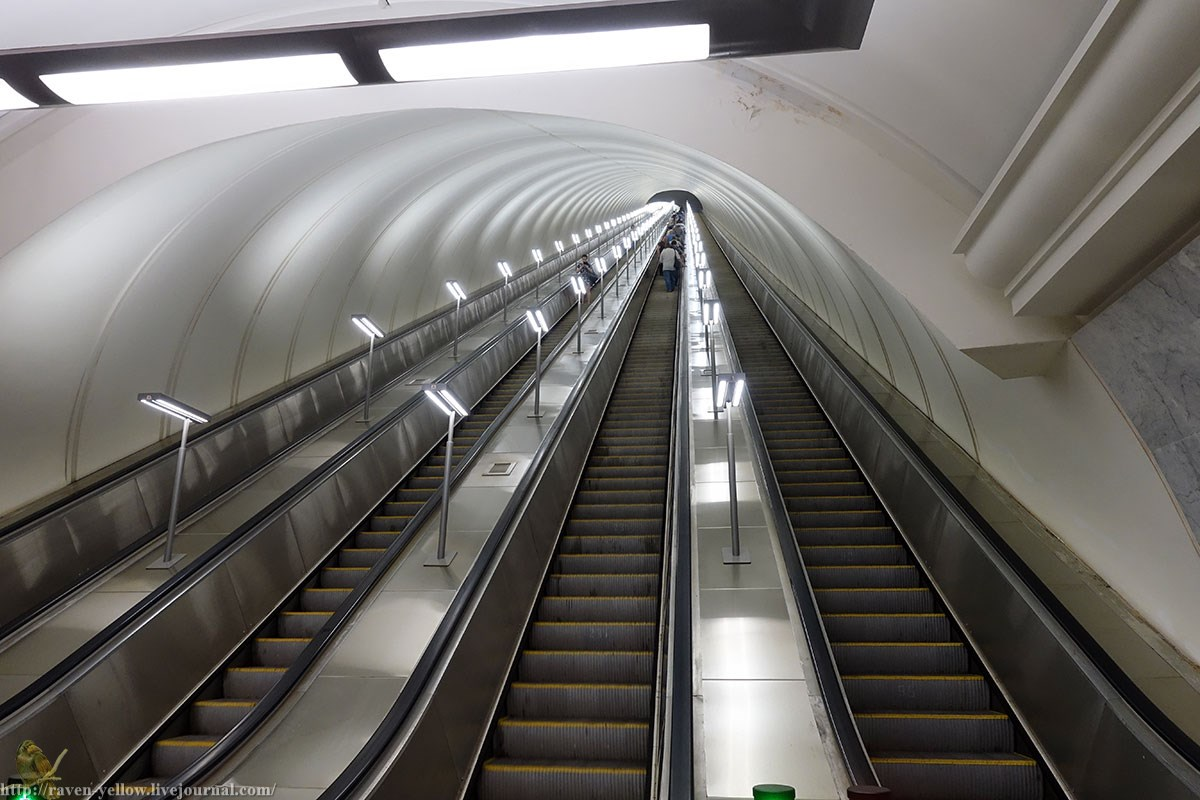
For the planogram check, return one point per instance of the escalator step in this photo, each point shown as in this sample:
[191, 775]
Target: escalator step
[302, 623]
[586, 666]
[217, 717]
[984, 731]
[874, 601]
[592, 635]
[249, 683]
[860, 535]
[606, 740]
[834, 519]
[952, 776]
[930, 627]
[511, 779]
[627, 497]
[846, 576]
[372, 539]
[837, 502]
[278, 651]
[901, 658]
[656, 483]
[172, 756]
[323, 599]
[610, 544]
[606, 563]
[614, 509]
[602, 584]
[917, 692]
[580, 700]
[342, 577]
[616, 527]
[837, 555]
[360, 556]
[598, 609]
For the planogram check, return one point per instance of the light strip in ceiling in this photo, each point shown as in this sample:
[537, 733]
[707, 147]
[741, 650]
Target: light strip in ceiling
[10, 99]
[523, 55]
[211, 79]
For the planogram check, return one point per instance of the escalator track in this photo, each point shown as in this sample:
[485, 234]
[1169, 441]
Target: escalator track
[575, 717]
[252, 673]
[933, 725]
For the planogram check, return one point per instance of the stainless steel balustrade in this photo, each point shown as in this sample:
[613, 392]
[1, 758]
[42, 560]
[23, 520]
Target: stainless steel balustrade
[436, 751]
[47, 556]
[112, 702]
[1096, 743]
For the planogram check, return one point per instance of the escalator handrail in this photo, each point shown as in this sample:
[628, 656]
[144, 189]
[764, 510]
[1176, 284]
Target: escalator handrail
[323, 638]
[211, 559]
[829, 680]
[220, 424]
[1149, 712]
[680, 756]
[347, 783]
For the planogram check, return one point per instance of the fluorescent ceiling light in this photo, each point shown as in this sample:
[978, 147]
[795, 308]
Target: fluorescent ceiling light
[439, 402]
[505, 269]
[577, 285]
[550, 53]
[368, 327]
[171, 406]
[213, 79]
[537, 320]
[456, 290]
[11, 99]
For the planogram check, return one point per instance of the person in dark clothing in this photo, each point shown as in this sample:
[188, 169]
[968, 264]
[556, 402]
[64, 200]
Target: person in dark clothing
[584, 268]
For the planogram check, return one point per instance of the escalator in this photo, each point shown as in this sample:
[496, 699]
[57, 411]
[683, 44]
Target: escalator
[934, 726]
[251, 674]
[575, 718]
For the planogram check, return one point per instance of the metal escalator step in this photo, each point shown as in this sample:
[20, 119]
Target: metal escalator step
[217, 717]
[615, 509]
[931, 627]
[592, 635]
[636, 543]
[854, 535]
[375, 538]
[917, 692]
[580, 700]
[405, 508]
[640, 497]
[250, 683]
[901, 658]
[342, 577]
[615, 527]
[954, 776]
[846, 576]
[657, 460]
[605, 740]
[793, 453]
[598, 609]
[657, 483]
[172, 756]
[818, 488]
[278, 651]
[510, 779]
[360, 556]
[610, 450]
[586, 666]
[618, 470]
[812, 465]
[874, 601]
[631, 584]
[323, 598]
[788, 477]
[385, 522]
[936, 731]
[834, 519]
[302, 623]
[848, 554]
[833, 502]
[606, 563]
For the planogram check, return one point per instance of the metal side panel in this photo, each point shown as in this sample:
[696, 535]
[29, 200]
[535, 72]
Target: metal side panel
[130, 687]
[457, 715]
[1092, 738]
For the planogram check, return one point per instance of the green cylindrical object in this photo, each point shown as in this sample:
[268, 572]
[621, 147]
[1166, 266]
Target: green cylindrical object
[774, 791]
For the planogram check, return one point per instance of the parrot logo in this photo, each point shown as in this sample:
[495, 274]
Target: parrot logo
[36, 770]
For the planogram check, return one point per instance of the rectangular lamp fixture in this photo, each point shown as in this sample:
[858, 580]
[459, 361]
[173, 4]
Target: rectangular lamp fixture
[212, 79]
[577, 285]
[505, 269]
[171, 406]
[365, 325]
[11, 99]
[537, 320]
[456, 290]
[523, 55]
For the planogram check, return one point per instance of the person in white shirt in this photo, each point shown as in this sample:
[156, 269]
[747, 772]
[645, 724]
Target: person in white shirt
[668, 259]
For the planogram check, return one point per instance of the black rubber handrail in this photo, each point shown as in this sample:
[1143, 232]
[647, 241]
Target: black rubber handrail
[358, 770]
[211, 558]
[679, 748]
[328, 632]
[1130, 692]
[829, 680]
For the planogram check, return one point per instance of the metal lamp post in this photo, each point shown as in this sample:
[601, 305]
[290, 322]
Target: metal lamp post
[537, 284]
[580, 287]
[559, 245]
[730, 390]
[537, 321]
[601, 268]
[506, 271]
[711, 312]
[445, 399]
[703, 281]
[459, 295]
[373, 332]
[180, 411]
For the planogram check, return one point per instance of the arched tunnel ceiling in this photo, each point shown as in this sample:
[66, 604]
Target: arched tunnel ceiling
[955, 82]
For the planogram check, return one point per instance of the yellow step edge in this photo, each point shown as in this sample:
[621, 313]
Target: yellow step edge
[546, 723]
[604, 575]
[897, 644]
[605, 555]
[876, 589]
[900, 615]
[615, 519]
[532, 685]
[862, 566]
[849, 546]
[283, 638]
[307, 613]
[225, 703]
[257, 669]
[992, 715]
[595, 597]
[912, 677]
[590, 624]
[589, 652]
[364, 549]
[328, 589]
[184, 743]
[536, 768]
[955, 762]
[346, 569]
